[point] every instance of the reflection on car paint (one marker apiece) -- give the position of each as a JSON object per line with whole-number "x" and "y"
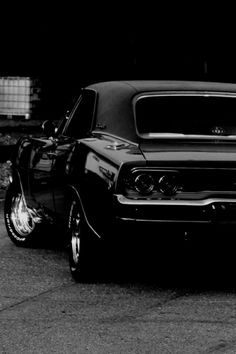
{"x": 100, "y": 167}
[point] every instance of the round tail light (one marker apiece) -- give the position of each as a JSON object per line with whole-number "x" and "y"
{"x": 168, "y": 184}
{"x": 144, "y": 183}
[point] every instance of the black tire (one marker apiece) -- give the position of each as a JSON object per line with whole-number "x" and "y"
{"x": 19, "y": 222}
{"x": 82, "y": 260}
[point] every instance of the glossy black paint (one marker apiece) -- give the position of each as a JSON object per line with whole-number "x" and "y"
{"x": 96, "y": 149}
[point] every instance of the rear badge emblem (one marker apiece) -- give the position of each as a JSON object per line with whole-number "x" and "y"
{"x": 218, "y": 131}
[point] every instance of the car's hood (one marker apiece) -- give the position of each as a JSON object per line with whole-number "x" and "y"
{"x": 188, "y": 152}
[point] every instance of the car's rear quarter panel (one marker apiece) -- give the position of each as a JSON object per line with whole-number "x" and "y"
{"x": 95, "y": 176}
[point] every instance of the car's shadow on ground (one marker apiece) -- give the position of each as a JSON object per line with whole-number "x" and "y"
{"x": 188, "y": 270}
{"x": 188, "y": 274}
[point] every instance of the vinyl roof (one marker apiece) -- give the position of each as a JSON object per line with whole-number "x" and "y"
{"x": 158, "y": 85}
{"x": 115, "y": 104}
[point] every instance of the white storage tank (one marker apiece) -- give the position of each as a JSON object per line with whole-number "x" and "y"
{"x": 18, "y": 96}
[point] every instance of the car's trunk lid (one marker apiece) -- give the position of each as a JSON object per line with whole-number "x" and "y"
{"x": 209, "y": 169}
{"x": 181, "y": 152}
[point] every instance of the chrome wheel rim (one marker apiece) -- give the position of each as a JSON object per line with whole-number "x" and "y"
{"x": 75, "y": 237}
{"x": 21, "y": 217}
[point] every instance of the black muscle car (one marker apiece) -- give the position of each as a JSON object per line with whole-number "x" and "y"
{"x": 133, "y": 158}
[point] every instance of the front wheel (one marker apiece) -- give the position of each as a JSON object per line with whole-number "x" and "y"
{"x": 82, "y": 260}
{"x": 19, "y": 220}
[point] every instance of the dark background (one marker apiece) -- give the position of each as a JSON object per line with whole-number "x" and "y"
{"x": 67, "y": 46}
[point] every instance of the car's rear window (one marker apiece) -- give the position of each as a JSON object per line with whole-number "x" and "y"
{"x": 186, "y": 114}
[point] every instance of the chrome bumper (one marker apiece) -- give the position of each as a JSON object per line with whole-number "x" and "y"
{"x": 221, "y": 210}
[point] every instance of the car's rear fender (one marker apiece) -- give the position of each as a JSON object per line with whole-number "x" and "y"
{"x": 94, "y": 169}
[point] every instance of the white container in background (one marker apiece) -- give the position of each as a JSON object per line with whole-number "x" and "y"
{"x": 17, "y": 96}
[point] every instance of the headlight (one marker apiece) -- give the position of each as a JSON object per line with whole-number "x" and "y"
{"x": 168, "y": 184}
{"x": 144, "y": 183}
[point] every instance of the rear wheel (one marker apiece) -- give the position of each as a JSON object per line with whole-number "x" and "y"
{"x": 82, "y": 260}
{"x": 19, "y": 220}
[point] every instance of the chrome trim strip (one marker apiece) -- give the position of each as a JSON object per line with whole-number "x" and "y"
{"x": 188, "y": 136}
{"x": 167, "y": 221}
{"x": 75, "y": 106}
{"x": 204, "y": 93}
{"x": 172, "y": 202}
{"x": 165, "y": 169}
{"x": 177, "y": 92}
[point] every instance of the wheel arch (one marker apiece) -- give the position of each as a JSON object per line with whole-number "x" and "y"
{"x": 71, "y": 191}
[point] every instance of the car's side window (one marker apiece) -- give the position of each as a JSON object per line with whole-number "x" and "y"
{"x": 80, "y": 122}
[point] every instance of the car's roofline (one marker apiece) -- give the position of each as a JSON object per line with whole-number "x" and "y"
{"x": 164, "y": 85}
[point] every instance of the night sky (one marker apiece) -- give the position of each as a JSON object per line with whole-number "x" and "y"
{"x": 67, "y": 47}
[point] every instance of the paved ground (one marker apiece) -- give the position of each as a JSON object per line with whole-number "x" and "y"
{"x": 42, "y": 310}
{"x": 2, "y": 197}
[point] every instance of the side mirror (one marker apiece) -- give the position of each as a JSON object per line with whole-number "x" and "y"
{"x": 49, "y": 128}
